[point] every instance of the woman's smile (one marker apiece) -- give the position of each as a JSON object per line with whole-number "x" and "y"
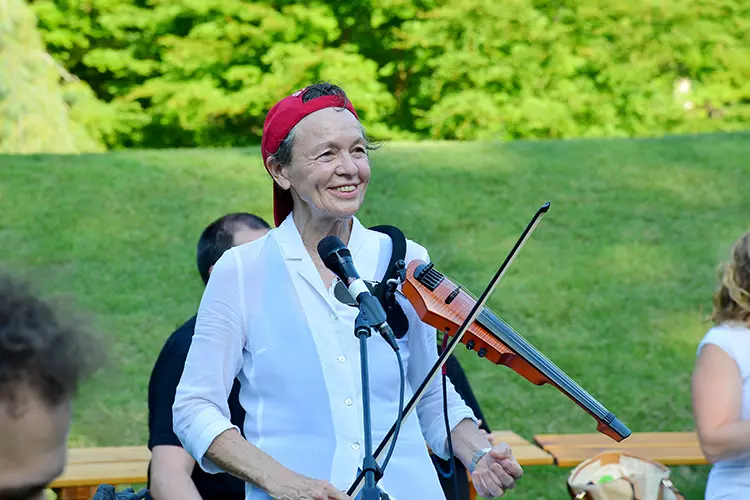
{"x": 345, "y": 191}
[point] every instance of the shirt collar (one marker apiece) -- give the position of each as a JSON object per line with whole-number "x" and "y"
{"x": 293, "y": 248}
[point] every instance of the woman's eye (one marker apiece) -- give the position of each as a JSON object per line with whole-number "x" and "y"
{"x": 326, "y": 154}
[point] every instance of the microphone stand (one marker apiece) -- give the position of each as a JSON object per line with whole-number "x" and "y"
{"x": 370, "y": 467}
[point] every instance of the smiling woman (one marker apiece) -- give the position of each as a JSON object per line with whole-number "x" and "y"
{"x": 270, "y": 317}
{"x": 327, "y": 169}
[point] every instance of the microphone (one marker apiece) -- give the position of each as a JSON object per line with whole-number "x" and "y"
{"x": 338, "y": 259}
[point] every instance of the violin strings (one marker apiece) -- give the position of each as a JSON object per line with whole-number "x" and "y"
{"x": 524, "y": 348}
{"x": 504, "y": 333}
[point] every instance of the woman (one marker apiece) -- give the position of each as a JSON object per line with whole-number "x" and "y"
{"x": 270, "y": 317}
{"x": 721, "y": 382}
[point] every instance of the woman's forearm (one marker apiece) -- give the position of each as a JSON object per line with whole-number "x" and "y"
{"x": 731, "y": 440}
{"x": 175, "y": 487}
{"x": 467, "y": 439}
{"x": 235, "y": 455}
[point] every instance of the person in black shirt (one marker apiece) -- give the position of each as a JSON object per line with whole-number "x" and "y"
{"x": 173, "y": 473}
{"x": 457, "y": 376}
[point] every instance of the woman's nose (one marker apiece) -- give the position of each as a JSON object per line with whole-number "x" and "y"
{"x": 347, "y": 166}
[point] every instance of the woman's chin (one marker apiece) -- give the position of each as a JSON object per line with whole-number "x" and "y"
{"x": 344, "y": 209}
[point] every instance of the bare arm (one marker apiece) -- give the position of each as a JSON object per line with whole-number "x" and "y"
{"x": 171, "y": 474}
{"x": 232, "y": 453}
{"x": 467, "y": 439}
{"x": 717, "y": 400}
{"x": 497, "y": 471}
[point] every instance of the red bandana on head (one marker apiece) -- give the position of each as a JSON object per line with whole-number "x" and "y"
{"x": 280, "y": 120}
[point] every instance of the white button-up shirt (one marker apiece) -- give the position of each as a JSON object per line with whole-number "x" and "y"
{"x": 267, "y": 319}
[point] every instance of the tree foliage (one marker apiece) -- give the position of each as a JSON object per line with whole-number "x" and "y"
{"x": 170, "y": 73}
{"x": 34, "y": 115}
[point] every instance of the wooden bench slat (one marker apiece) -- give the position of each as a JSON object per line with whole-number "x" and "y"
{"x": 109, "y": 454}
{"x": 637, "y": 438}
{"x": 525, "y": 452}
{"x": 667, "y": 454}
{"x": 531, "y": 455}
{"x": 94, "y": 474}
{"x": 509, "y": 437}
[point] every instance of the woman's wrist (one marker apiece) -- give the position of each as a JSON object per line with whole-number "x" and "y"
{"x": 467, "y": 441}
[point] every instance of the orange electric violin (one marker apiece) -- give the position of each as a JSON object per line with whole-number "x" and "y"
{"x": 444, "y": 305}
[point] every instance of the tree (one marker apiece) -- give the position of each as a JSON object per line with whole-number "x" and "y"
{"x": 34, "y": 117}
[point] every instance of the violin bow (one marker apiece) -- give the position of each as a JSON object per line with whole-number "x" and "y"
{"x": 454, "y": 342}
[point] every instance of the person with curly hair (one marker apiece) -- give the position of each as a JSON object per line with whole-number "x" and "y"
{"x": 43, "y": 360}
{"x": 721, "y": 381}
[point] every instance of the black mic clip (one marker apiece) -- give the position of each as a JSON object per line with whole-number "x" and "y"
{"x": 397, "y": 277}
{"x": 370, "y": 312}
{"x": 385, "y": 291}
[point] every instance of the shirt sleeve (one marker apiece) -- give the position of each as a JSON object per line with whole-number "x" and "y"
{"x": 423, "y": 356}
{"x": 721, "y": 338}
{"x": 162, "y": 387}
{"x": 200, "y": 410}
{"x": 735, "y": 342}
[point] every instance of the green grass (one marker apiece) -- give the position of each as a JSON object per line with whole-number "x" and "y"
{"x": 614, "y": 286}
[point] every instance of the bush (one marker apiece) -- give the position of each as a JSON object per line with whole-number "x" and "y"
{"x": 190, "y": 72}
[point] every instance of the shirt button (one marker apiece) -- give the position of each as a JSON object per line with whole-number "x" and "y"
{"x": 355, "y": 446}
{"x": 348, "y": 401}
{"x": 341, "y": 359}
{"x": 334, "y": 317}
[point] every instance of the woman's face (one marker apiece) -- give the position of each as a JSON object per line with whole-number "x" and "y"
{"x": 330, "y": 169}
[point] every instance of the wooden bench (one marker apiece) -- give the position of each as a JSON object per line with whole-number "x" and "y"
{"x": 668, "y": 448}
{"x": 525, "y": 452}
{"x": 87, "y": 468}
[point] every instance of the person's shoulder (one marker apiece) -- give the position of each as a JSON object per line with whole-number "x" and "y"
{"x": 239, "y": 257}
{"x": 733, "y": 338}
{"x": 178, "y": 343}
{"x": 251, "y": 249}
{"x": 414, "y": 250}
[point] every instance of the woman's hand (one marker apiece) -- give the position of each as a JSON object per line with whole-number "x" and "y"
{"x": 496, "y": 472}
{"x": 298, "y": 487}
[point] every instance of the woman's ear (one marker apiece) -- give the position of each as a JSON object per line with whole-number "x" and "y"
{"x": 277, "y": 172}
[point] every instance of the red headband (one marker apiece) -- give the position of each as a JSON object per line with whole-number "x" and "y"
{"x": 280, "y": 120}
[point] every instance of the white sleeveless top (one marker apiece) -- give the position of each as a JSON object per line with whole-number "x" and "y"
{"x": 730, "y": 479}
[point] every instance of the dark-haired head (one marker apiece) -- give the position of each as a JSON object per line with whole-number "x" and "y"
{"x": 224, "y": 233}
{"x": 44, "y": 357}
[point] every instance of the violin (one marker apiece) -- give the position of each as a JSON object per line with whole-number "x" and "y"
{"x": 444, "y": 305}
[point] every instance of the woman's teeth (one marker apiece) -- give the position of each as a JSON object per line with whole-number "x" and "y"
{"x": 346, "y": 189}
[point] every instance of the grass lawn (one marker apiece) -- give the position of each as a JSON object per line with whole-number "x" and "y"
{"x": 614, "y": 286}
